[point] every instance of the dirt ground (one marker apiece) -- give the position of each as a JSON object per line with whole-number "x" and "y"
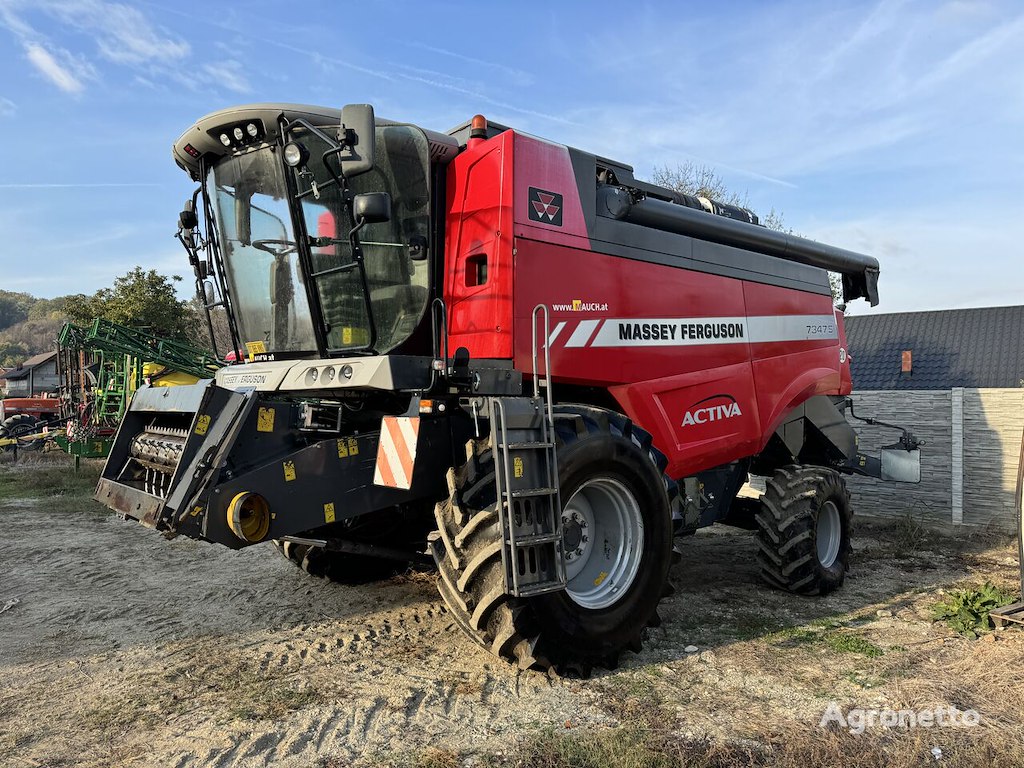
{"x": 118, "y": 647}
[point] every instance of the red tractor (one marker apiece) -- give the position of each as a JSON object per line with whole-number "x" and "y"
{"x": 25, "y": 421}
{"x": 507, "y": 353}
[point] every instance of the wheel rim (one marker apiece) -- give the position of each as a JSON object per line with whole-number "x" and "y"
{"x": 829, "y": 534}
{"x": 603, "y": 534}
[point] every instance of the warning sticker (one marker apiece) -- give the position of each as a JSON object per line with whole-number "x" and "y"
{"x": 265, "y": 420}
{"x": 255, "y": 348}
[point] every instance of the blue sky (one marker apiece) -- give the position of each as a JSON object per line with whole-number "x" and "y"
{"x": 892, "y": 128}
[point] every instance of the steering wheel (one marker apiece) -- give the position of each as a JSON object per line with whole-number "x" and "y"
{"x": 276, "y": 247}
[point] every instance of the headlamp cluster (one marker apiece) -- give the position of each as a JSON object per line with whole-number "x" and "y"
{"x": 238, "y": 135}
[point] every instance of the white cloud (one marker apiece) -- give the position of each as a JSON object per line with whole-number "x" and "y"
{"x": 59, "y": 67}
{"x": 929, "y": 259}
{"x": 787, "y": 93}
{"x": 228, "y": 74}
{"x": 7, "y": 107}
{"x": 123, "y": 34}
{"x": 518, "y": 76}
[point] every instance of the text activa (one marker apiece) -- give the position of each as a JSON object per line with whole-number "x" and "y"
{"x": 711, "y": 413}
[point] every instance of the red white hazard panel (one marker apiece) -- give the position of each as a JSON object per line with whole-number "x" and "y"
{"x": 396, "y": 453}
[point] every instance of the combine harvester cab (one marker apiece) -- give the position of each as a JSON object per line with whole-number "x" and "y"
{"x": 509, "y": 353}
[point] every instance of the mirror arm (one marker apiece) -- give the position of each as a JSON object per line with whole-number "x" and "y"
{"x": 907, "y": 439}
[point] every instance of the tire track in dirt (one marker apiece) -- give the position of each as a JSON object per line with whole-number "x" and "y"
{"x": 177, "y": 653}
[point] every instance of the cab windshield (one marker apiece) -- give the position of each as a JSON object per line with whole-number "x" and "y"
{"x": 394, "y": 251}
{"x": 270, "y": 270}
{"x": 261, "y": 262}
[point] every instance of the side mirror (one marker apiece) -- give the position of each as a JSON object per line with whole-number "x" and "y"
{"x": 208, "y": 293}
{"x": 371, "y": 207}
{"x": 358, "y": 136}
{"x": 187, "y": 219}
{"x": 901, "y": 465}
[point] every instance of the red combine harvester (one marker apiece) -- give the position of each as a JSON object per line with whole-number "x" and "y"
{"x": 509, "y": 353}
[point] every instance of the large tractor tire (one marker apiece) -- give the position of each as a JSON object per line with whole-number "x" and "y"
{"x": 22, "y": 424}
{"x": 617, "y": 528}
{"x": 340, "y": 567}
{"x": 804, "y": 530}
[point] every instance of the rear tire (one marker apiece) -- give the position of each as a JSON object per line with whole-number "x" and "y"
{"x": 805, "y": 525}
{"x": 606, "y": 467}
{"x": 22, "y": 424}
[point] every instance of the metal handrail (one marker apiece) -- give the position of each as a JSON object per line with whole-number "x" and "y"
{"x": 543, "y": 310}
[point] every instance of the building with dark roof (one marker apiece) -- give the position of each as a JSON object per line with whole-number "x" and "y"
{"x": 937, "y": 350}
{"x": 35, "y": 376}
{"x": 954, "y": 378}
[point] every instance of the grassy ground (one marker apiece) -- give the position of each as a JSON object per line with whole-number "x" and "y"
{"x": 38, "y": 475}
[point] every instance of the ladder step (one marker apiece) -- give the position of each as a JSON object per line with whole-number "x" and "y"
{"x": 529, "y": 492}
{"x": 537, "y": 538}
{"x": 520, "y": 446}
{"x": 540, "y": 589}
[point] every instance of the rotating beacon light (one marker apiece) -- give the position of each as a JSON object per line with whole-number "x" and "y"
{"x": 477, "y": 131}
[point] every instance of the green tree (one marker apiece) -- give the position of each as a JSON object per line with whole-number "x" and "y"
{"x": 14, "y": 308}
{"x": 141, "y": 299}
{"x": 699, "y": 180}
{"x": 47, "y": 309}
{"x": 12, "y": 353}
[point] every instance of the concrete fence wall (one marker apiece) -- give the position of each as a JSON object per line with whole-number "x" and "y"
{"x": 969, "y": 461}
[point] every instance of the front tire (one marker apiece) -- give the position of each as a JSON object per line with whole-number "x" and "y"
{"x": 804, "y": 530}
{"x": 403, "y": 528}
{"x": 611, "y": 482}
{"x": 339, "y": 567}
{"x": 22, "y": 424}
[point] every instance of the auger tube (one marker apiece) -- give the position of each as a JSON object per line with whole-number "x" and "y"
{"x": 860, "y": 272}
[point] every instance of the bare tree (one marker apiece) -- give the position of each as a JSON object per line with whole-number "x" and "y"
{"x": 701, "y": 180}
{"x": 219, "y": 321}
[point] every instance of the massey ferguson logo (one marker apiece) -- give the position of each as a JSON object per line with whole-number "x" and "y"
{"x": 545, "y": 207}
{"x": 714, "y": 408}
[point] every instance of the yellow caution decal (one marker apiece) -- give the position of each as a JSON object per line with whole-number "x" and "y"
{"x": 348, "y": 446}
{"x": 289, "y": 471}
{"x": 202, "y": 424}
{"x": 265, "y": 420}
{"x": 255, "y": 348}
{"x": 329, "y": 512}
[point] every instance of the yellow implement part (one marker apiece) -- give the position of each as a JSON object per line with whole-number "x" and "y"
{"x": 6, "y": 441}
{"x": 164, "y": 378}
